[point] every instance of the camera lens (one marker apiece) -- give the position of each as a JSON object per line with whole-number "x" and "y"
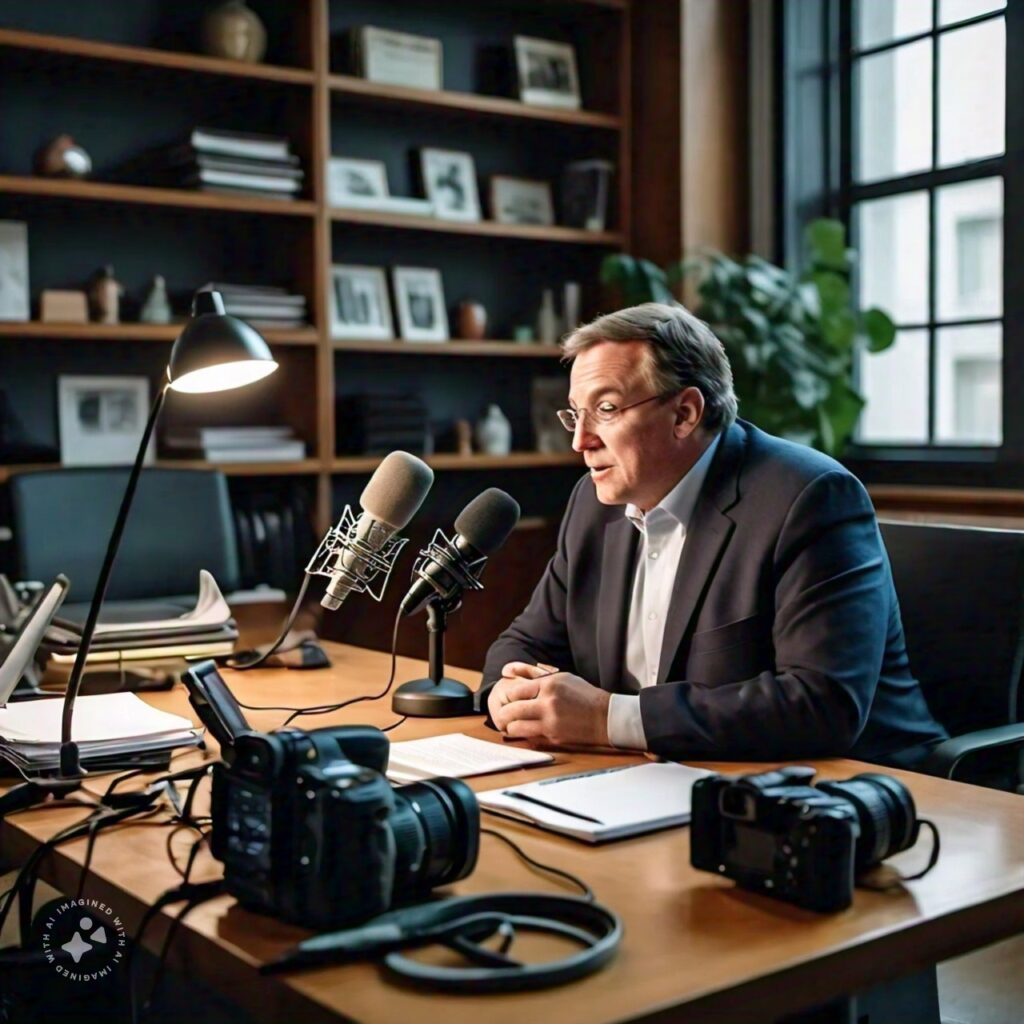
{"x": 436, "y": 825}
{"x": 885, "y": 810}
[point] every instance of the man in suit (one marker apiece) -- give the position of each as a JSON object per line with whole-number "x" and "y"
{"x": 716, "y": 592}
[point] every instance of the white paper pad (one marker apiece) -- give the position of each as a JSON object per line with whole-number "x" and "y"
{"x": 456, "y": 756}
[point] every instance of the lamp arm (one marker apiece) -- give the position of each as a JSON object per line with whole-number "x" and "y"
{"x": 70, "y": 766}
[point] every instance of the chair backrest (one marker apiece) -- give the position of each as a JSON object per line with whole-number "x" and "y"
{"x": 180, "y": 522}
{"x": 961, "y": 595}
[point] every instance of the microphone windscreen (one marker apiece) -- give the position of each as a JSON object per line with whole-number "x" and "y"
{"x": 397, "y": 489}
{"x": 488, "y": 519}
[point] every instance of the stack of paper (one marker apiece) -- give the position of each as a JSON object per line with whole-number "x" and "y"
{"x": 456, "y": 757}
{"x": 108, "y": 728}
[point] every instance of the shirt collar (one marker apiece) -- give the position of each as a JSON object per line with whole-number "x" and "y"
{"x": 680, "y": 501}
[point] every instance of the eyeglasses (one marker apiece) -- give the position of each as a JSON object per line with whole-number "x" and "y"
{"x": 605, "y": 413}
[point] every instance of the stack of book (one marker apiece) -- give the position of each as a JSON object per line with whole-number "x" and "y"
{"x": 235, "y": 444}
{"x": 211, "y": 159}
{"x": 379, "y": 424}
{"x": 262, "y": 305}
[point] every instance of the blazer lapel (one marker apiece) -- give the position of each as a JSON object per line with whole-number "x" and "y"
{"x": 706, "y": 536}
{"x": 620, "y": 544}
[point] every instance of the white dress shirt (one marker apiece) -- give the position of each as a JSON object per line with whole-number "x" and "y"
{"x": 663, "y": 534}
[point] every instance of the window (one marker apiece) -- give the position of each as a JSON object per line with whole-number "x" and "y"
{"x": 896, "y": 121}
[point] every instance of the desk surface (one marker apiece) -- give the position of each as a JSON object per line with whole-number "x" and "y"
{"x": 691, "y": 939}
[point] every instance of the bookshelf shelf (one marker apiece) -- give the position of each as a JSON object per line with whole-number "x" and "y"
{"x": 483, "y": 228}
{"x": 450, "y": 460}
{"x": 455, "y": 347}
{"x": 88, "y": 49}
{"x": 306, "y": 467}
{"x": 59, "y": 188}
{"x": 351, "y": 88}
{"x": 134, "y": 332}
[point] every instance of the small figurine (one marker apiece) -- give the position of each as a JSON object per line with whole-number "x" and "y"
{"x": 62, "y": 157}
{"x": 494, "y": 432}
{"x": 234, "y": 32}
{"x": 105, "y": 296}
{"x": 472, "y": 320}
{"x": 463, "y": 437}
{"x": 157, "y": 308}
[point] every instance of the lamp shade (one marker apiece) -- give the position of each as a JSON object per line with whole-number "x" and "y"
{"x": 215, "y": 351}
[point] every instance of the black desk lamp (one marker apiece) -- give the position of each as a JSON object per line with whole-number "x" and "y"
{"x": 214, "y": 352}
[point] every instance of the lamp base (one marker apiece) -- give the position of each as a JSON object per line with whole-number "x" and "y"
{"x": 423, "y": 698}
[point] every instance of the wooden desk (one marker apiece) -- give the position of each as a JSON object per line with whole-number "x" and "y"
{"x": 695, "y": 947}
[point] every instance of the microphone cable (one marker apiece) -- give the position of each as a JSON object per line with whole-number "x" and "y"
{"x": 229, "y": 660}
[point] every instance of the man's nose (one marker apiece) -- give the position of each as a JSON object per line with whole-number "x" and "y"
{"x": 582, "y": 438}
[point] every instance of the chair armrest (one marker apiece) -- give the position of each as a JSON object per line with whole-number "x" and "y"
{"x": 944, "y": 758}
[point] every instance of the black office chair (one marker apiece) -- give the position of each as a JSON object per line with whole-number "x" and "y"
{"x": 181, "y": 522}
{"x": 961, "y": 594}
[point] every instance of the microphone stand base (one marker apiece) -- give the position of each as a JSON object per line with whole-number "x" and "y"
{"x": 423, "y": 698}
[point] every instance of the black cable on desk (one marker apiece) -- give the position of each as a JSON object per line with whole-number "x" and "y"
{"x": 244, "y": 666}
{"x": 520, "y": 852}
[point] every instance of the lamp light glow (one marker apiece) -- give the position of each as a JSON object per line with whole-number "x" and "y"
{"x": 222, "y": 377}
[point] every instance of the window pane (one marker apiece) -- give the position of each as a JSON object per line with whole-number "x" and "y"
{"x": 960, "y": 10}
{"x": 893, "y": 241}
{"x": 893, "y": 96}
{"x": 972, "y": 92}
{"x": 969, "y": 385}
{"x": 969, "y": 227}
{"x": 880, "y": 21}
{"x": 895, "y": 385}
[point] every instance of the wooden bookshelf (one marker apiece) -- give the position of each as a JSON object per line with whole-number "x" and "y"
{"x": 305, "y": 467}
{"x": 455, "y": 347}
{"x": 483, "y": 228}
{"x": 137, "y": 332}
{"x": 88, "y": 49}
{"x": 351, "y": 88}
{"x": 452, "y": 461}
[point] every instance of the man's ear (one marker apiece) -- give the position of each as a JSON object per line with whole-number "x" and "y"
{"x": 689, "y": 411}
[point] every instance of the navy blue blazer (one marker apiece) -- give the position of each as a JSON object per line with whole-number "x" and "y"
{"x": 783, "y": 638}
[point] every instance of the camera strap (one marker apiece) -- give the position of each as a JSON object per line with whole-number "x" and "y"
{"x": 463, "y": 923}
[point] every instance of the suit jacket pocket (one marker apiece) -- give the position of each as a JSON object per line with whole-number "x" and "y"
{"x": 731, "y": 653}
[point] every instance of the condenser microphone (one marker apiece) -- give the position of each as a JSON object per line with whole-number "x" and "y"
{"x": 446, "y": 568}
{"x": 390, "y": 499}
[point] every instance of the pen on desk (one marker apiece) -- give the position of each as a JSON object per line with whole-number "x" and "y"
{"x": 550, "y": 807}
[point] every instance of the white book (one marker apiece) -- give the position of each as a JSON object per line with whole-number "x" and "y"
{"x": 609, "y": 803}
{"x": 273, "y": 451}
{"x": 456, "y": 756}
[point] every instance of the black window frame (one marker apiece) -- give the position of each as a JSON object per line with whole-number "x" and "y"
{"x": 815, "y": 155}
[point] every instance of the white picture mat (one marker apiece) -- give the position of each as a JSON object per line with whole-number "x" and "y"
{"x": 419, "y": 290}
{"x": 102, "y": 420}
{"x": 360, "y": 307}
{"x": 449, "y": 181}
{"x": 14, "y": 294}
{"x": 343, "y": 173}
{"x": 400, "y": 58}
{"x": 534, "y": 57}
{"x": 521, "y": 201}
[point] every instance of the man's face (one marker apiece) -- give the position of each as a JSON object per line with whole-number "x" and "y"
{"x": 636, "y": 456}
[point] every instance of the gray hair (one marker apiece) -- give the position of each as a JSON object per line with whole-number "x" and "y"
{"x": 684, "y": 352}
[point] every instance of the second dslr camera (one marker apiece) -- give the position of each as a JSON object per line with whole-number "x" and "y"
{"x": 777, "y": 834}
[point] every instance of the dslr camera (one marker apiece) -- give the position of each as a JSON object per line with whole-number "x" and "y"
{"x": 309, "y": 829}
{"x": 779, "y": 835}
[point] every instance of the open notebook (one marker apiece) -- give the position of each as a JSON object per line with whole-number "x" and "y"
{"x": 609, "y": 803}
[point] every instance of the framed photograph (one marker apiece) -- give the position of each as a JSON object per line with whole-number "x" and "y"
{"x": 352, "y": 182}
{"x": 547, "y": 73}
{"x": 586, "y": 185}
{"x": 360, "y": 308}
{"x": 400, "y": 58}
{"x": 449, "y": 182}
{"x": 13, "y": 270}
{"x": 547, "y": 396}
{"x": 521, "y": 201}
{"x": 102, "y": 420}
{"x": 422, "y": 315}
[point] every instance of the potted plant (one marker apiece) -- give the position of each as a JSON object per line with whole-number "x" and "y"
{"x": 791, "y": 339}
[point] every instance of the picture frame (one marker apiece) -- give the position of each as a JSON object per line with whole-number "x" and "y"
{"x": 356, "y": 182}
{"x": 546, "y": 72}
{"x": 547, "y": 396}
{"x": 419, "y": 296}
{"x": 400, "y": 58}
{"x": 521, "y": 201}
{"x": 449, "y": 182}
{"x": 102, "y": 419}
{"x": 360, "y": 306}
{"x": 586, "y": 187}
{"x": 14, "y": 293}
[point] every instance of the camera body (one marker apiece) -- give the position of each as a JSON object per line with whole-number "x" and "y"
{"x": 777, "y": 834}
{"x": 309, "y": 829}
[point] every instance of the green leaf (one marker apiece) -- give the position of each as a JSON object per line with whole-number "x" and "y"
{"x": 841, "y": 409}
{"x": 880, "y": 329}
{"x": 826, "y": 243}
{"x": 839, "y": 329}
{"x": 833, "y": 292}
